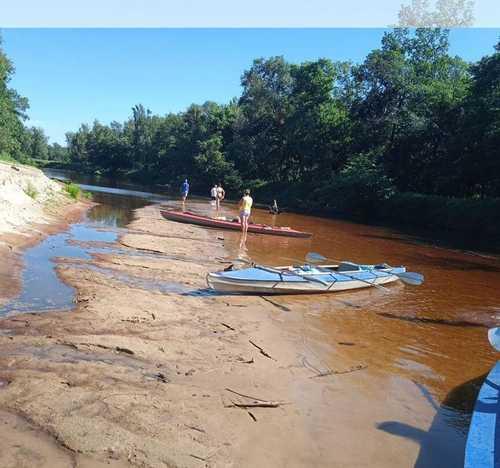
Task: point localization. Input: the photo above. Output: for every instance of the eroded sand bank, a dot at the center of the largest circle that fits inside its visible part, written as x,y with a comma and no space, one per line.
31,207
150,370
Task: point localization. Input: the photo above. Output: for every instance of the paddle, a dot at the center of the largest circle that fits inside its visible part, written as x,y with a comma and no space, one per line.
276,270
316,257
288,272
408,277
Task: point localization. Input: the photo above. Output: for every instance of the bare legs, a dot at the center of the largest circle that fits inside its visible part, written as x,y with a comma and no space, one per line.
243,241
244,224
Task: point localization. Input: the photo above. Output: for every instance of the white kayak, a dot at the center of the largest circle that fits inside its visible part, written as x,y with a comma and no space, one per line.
302,279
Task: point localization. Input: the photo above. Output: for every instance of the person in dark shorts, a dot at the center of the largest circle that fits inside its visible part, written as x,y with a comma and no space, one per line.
184,190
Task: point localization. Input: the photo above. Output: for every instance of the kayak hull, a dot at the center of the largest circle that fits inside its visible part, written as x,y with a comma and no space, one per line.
192,218
482,449
248,281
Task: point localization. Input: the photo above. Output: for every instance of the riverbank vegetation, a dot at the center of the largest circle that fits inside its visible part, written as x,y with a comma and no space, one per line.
411,135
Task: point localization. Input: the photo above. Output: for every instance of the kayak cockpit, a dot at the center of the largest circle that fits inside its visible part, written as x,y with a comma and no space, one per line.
302,278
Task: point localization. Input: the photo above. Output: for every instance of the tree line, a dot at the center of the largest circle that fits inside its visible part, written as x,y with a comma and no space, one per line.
335,136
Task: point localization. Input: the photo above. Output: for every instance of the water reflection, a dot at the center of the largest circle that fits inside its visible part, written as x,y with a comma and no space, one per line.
433,335
114,211
42,289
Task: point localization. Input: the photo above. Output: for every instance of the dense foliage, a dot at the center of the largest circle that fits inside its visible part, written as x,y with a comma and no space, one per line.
12,112
410,118
333,136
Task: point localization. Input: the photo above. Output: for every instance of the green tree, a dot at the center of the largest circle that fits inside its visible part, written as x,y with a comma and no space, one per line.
265,106
12,111
38,144
406,110
317,125
57,152
478,145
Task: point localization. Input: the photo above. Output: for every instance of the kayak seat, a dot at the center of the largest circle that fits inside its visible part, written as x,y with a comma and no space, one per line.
348,266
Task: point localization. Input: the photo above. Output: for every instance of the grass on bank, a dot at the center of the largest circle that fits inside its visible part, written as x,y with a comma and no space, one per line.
31,191
6,158
75,192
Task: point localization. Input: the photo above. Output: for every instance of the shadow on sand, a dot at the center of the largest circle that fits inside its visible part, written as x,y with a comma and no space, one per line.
443,445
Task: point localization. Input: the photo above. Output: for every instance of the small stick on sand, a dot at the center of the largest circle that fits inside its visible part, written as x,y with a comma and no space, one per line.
262,351
332,372
199,429
243,395
228,326
257,404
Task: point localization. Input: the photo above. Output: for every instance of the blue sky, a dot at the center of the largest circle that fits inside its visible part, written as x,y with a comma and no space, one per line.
72,76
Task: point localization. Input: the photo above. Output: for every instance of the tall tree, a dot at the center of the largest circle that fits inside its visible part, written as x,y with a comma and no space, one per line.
12,111
406,106
265,105
479,142
38,143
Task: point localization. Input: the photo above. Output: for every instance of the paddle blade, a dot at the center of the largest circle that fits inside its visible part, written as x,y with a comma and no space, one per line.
240,263
314,257
408,277
494,337
241,260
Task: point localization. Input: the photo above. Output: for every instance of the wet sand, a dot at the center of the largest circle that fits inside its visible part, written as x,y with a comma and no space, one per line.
143,375
12,244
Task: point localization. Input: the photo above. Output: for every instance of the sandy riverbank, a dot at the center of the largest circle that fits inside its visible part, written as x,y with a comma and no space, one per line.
138,377
31,207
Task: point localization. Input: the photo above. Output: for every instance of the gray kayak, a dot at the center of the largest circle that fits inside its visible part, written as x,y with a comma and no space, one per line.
303,279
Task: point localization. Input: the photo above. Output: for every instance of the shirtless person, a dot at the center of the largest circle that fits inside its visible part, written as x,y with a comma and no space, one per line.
213,194
221,193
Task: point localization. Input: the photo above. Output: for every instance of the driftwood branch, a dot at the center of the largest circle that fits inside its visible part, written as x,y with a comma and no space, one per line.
228,326
275,304
199,429
257,404
245,361
332,372
243,395
262,350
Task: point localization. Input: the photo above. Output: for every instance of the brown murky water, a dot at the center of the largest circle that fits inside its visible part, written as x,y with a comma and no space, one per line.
432,337
425,347
436,331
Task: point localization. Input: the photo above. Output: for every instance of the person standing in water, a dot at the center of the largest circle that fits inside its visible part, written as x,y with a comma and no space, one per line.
184,190
273,209
214,193
221,194
245,207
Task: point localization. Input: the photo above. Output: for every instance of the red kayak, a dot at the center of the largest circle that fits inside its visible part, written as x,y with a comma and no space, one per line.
192,218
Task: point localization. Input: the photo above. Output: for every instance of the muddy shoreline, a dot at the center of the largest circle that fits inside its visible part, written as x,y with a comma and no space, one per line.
13,244
150,376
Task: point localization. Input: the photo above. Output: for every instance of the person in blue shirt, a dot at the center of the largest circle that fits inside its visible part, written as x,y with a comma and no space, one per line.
184,190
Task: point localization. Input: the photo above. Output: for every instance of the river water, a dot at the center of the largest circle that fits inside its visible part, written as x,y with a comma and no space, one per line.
434,335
